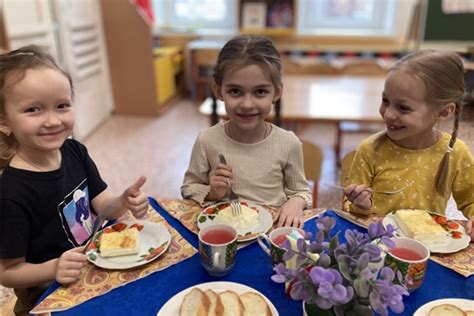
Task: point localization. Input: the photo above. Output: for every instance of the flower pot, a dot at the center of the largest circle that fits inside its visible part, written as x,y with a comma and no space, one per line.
315,310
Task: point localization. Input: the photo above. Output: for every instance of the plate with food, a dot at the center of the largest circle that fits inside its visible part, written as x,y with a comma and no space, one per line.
213,298
128,244
447,306
439,234
255,219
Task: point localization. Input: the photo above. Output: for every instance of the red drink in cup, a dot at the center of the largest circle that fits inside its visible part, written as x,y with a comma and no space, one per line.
279,240
405,253
218,236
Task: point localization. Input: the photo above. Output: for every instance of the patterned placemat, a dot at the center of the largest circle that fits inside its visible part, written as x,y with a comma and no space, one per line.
96,281
187,211
462,261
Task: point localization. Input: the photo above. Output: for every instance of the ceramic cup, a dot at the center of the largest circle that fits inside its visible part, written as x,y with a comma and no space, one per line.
270,243
217,247
410,257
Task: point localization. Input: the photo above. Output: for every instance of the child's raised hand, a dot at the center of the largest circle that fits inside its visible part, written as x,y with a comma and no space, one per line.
470,228
134,199
70,264
359,195
218,181
291,213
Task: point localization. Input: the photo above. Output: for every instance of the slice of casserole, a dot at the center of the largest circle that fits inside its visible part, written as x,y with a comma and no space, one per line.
419,225
123,243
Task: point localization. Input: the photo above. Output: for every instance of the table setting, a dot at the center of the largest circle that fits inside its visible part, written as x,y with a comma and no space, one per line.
158,285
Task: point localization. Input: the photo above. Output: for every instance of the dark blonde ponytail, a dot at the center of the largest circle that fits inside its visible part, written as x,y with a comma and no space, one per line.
443,170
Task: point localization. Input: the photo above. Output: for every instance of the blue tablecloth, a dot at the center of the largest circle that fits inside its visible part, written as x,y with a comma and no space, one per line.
253,268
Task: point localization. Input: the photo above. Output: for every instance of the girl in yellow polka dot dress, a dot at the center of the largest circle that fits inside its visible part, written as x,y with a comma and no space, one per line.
421,90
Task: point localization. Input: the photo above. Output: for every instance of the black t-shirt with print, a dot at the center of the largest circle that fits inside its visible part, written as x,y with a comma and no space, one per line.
43,214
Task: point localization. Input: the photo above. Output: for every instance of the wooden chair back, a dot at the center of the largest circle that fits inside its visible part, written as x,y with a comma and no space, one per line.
313,162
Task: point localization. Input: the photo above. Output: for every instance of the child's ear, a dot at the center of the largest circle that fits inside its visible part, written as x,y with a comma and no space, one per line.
446,111
216,89
4,128
278,92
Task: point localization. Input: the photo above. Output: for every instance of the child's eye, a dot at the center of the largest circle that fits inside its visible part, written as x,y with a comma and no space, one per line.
32,109
384,101
234,92
261,92
404,108
64,106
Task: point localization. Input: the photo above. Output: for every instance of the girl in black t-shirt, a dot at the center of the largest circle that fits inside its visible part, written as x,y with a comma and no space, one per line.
50,189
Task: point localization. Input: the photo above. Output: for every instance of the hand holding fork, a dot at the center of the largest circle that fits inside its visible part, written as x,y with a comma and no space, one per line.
233,198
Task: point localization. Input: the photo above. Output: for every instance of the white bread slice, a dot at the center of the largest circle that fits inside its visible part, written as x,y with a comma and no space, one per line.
216,308
123,243
232,303
195,303
446,310
254,304
419,225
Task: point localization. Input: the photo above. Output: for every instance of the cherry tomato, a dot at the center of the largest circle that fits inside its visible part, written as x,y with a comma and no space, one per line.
119,227
456,235
453,225
441,220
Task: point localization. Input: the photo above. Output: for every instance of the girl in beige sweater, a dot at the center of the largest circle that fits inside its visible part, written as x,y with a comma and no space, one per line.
264,162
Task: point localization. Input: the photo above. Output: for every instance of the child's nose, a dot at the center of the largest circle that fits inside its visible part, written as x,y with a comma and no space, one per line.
52,120
389,113
247,102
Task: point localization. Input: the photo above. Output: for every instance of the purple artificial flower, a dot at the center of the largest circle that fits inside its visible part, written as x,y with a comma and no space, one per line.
344,276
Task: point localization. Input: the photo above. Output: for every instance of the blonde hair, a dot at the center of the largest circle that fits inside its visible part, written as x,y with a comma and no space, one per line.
13,67
245,50
442,73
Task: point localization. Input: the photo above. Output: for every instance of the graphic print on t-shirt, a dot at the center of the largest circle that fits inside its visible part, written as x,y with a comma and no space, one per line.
76,215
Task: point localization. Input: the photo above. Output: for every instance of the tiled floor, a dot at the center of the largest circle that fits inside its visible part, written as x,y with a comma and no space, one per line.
125,147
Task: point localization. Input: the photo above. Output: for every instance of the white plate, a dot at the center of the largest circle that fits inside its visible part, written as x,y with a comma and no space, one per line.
154,240
458,302
264,222
171,307
448,246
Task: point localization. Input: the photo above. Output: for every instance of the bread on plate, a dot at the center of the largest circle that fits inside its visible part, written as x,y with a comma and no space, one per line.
195,303
446,310
216,308
232,303
254,304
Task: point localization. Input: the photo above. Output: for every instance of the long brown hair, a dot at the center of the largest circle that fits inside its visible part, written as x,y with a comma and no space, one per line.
442,73
244,50
13,67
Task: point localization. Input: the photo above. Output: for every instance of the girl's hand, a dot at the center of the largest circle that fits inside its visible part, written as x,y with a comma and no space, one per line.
359,195
70,265
218,181
291,213
470,228
134,199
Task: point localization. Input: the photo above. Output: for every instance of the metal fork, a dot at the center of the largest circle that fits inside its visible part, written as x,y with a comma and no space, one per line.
334,186
233,198
98,222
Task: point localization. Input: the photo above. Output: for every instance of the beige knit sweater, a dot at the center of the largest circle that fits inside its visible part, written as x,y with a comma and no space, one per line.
267,172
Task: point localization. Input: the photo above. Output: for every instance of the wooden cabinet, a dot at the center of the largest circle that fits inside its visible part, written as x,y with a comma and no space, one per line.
140,79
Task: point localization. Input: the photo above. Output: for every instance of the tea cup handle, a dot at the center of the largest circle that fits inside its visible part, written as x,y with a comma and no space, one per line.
262,244
215,259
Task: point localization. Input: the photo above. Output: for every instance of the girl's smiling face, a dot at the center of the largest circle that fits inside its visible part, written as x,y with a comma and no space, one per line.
248,94
409,118
38,110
